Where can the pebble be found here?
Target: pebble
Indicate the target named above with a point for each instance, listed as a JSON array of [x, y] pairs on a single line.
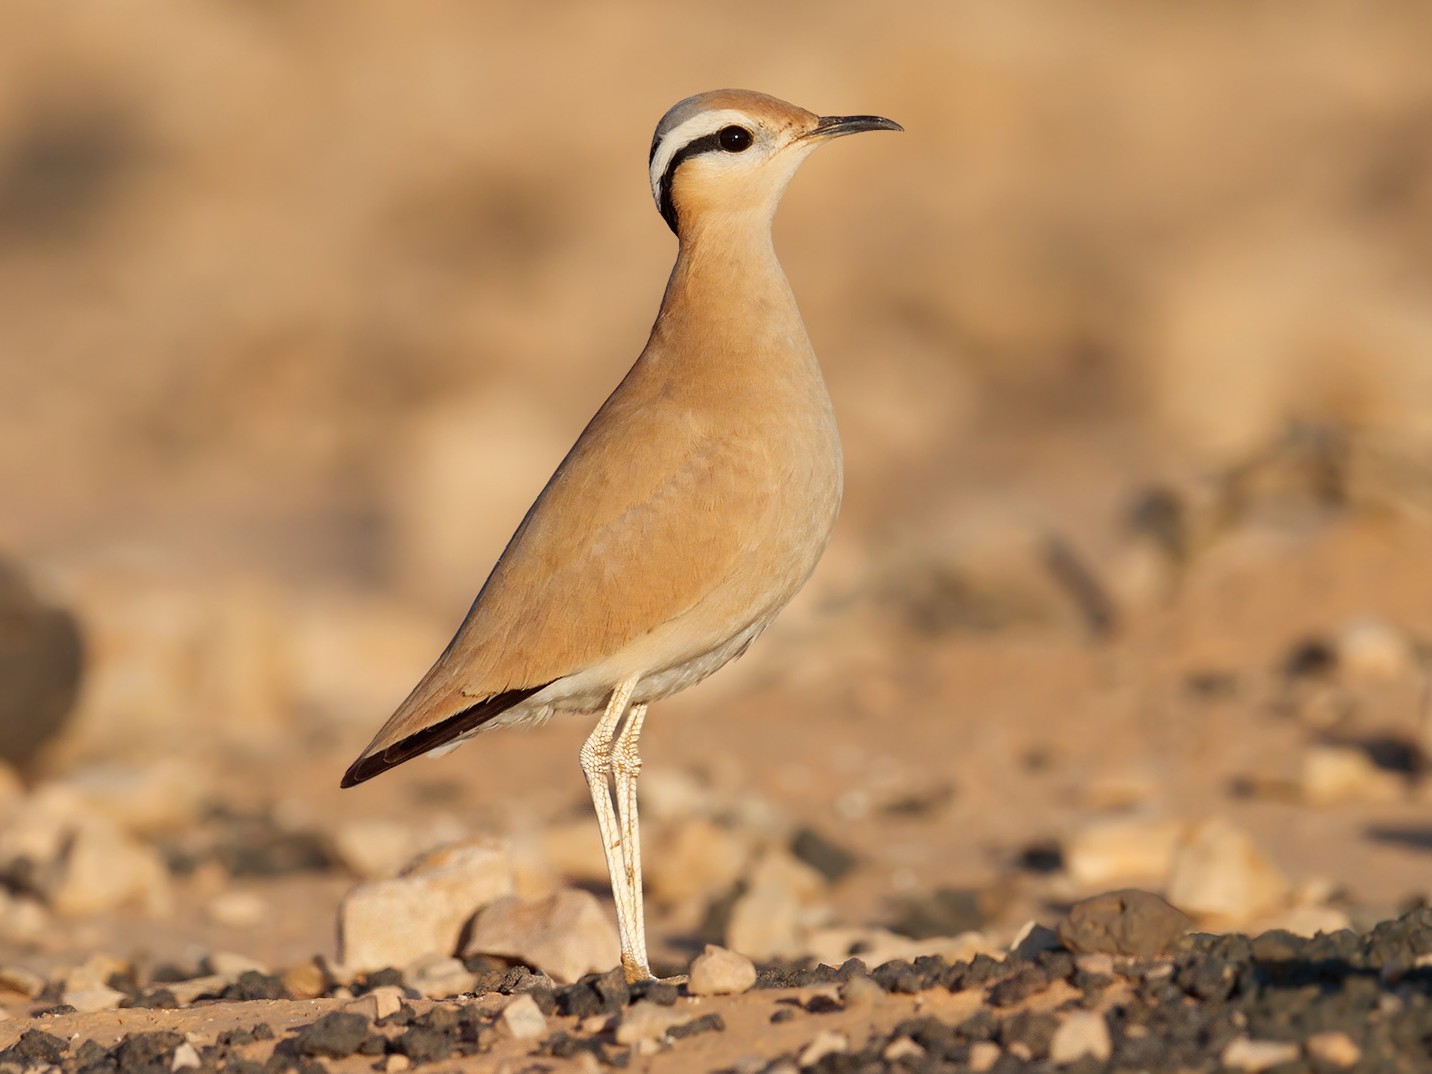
[[1333, 1047], [1219, 875], [1124, 849], [307, 980], [186, 1057], [826, 1042], [102, 868], [766, 920], [1255, 1055], [1127, 922], [437, 976], [379, 1003], [984, 1054], [238, 909], [1331, 775], [719, 972], [648, 1022], [230, 964], [89, 1000], [93, 972], [861, 990], [1083, 1033], [522, 1019], [19, 979], [396, 1064], [424, 910], [564, 935], [1373, 650], [902, 1048]]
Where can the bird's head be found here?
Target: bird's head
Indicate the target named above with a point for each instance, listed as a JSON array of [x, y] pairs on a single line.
[[730, 153]]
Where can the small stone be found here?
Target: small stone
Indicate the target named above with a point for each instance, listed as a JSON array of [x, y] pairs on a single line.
[[1123, 849], [1128, 922], [766, 920], [334, 1036], [94, 972], [1034, 939], [237, 909], [1220, 876], [523, 1019], [902, 1048], [565, 935], [861, 991], [186, 1057], [1331, 775], [827, 1042], [396, 1064], [719, 972], [437, 976], [1333, 1047], [425, 909], [379, 1003], [21, 980], [984, 1054], [89, 1000], [230, 964], [101, 868], [1256, 1055], [648, 1022], [1083, 1033], [307, 980], [1373, 650], [831, 860]]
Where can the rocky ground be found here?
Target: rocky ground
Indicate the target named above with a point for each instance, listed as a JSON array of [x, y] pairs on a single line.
[[1098, 741]]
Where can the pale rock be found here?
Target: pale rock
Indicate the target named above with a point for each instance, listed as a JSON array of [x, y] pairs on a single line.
[[861, 990], [186, 1057], [93, 973], [1331, 775], [1219, 875], [101, 868], [186, 992], [437, 976], [423, 910], [396, 1064], [826, 1042], [379, 1003], [719, 972], [1080, 1034], [902, 1048], [779, 868], [1096, 963], [565, 935], [764, 924], [307, 980], [1373, 650], [1034, 939], [648, 1022], [20, 980], [1255, 1055], [89, 1000], [1123, 849], [237, 909], [1334, 1048], [984, 1054], [161, 796], [376, 849], [522, 1019], [230, 964], [697, 859]]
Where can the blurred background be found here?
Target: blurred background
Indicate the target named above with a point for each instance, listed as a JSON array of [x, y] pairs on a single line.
[[1129, 337]]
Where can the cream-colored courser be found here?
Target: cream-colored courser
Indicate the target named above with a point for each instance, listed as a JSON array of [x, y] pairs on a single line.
[[690, 510]]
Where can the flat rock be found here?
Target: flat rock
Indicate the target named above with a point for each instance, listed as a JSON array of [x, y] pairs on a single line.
[[436, 976], [522, 1019], [1255, 1055], [1080, 1034], [424, 910], [1333, 1047], [1127, 922], [1124, 849], [719, 972], [1219, 876], [646, 1022], [565, 935], [89, 1000]]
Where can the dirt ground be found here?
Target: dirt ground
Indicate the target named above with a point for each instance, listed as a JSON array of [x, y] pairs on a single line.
[[1129, 340]]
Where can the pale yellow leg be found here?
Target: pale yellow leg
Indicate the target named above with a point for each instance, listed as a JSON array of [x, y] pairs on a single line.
[[626, 766], [596, 759]]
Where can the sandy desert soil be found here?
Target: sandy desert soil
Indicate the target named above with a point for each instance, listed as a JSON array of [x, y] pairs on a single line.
[[1130, 341]]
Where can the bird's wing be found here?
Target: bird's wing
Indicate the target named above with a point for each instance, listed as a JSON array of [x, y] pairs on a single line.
[[631, 532]]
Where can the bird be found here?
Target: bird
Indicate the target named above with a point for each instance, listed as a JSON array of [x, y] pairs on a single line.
[[690, 510]]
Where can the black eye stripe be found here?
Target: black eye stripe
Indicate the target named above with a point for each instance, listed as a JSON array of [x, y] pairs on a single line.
[[707, 143]]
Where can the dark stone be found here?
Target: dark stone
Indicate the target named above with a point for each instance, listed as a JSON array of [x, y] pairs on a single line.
[[658, 992], [403, 1016], [388, 977], [159, 999], [336, 1035], [1033, 1030], [262, 1031], [945, 912], [1127, 922], [253, 985], [147, 1053], [783, 1014], [823, 1004], [828, 858], [35, 1046], [1310, 658], [423, 1045], [1018, 986], [41, 658], [899, 977], [707, 1023]]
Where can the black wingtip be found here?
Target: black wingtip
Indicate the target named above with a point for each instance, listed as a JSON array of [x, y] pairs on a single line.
[[430, 738]]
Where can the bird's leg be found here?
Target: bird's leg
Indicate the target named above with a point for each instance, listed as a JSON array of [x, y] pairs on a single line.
[[596, 758], [626, 766]]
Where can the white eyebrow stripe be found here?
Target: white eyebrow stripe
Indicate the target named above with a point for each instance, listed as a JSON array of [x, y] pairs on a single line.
[[687, 132]]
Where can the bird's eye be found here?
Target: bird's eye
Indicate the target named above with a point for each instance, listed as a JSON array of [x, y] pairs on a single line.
[[735, 139]]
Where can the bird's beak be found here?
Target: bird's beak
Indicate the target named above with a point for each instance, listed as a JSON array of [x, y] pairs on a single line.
[[835, 126]]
